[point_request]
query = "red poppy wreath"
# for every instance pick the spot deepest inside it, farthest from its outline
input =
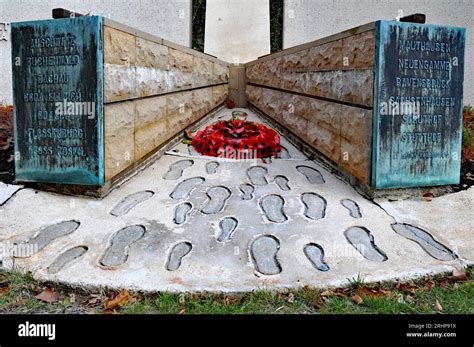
(237, 138)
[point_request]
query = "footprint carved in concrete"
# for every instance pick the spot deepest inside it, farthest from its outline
(272, 206)
(425, 240)
(217, 197)
(282, 182)
(315, 205)
(48, 234)
(226, 228)
(257, 175)
(263, 252)
(247, 191)
(181, 212)
(352, 207)
(315, 255)
(178, 252)
(283, 154)
(117, 252)
(211, 167)
(184, 188)
(126, 204)
(363, 241)
(176, 169)
(65, 258)
(312, 175)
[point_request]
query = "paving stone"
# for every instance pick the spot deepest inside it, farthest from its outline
(7, 191)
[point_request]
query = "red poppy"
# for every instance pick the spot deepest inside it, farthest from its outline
(237, 137)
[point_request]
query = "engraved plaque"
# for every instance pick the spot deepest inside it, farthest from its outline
(418, 105)
(58, 100)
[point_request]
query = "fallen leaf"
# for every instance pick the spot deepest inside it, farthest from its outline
(120, 300)
(443, 283)
(437, 306)
(429, 285)
(428, 196)
(458, 275)
(92, 301)
(327, 293)
(357, 299)
(4, 290)
(48, 295)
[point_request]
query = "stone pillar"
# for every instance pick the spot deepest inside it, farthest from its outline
(237, 82)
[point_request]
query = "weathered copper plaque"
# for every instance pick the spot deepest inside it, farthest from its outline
(58, 100)
(418, 105)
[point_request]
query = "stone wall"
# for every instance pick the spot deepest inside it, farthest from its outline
(153, 90)
(322, 91)
(170, 20)
(309, 20)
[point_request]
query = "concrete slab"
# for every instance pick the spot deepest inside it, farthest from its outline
(259, 236)
(7, 191)
(449, 219)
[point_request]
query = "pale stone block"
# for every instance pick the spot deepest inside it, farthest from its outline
(119, 82)
(326, 57)
(151, 54)
(119, 47)
(149, 111)
(118, 137)
(148, 138)
(180, 60)
(202, 72)
(202, 101)
(178, 80)
(219, 94)
(179, 110)
(356, 160)
(359, 50)
(324, 140)
(220, 73)
(150, 81)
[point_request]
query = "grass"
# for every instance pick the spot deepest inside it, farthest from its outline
(453, 294)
